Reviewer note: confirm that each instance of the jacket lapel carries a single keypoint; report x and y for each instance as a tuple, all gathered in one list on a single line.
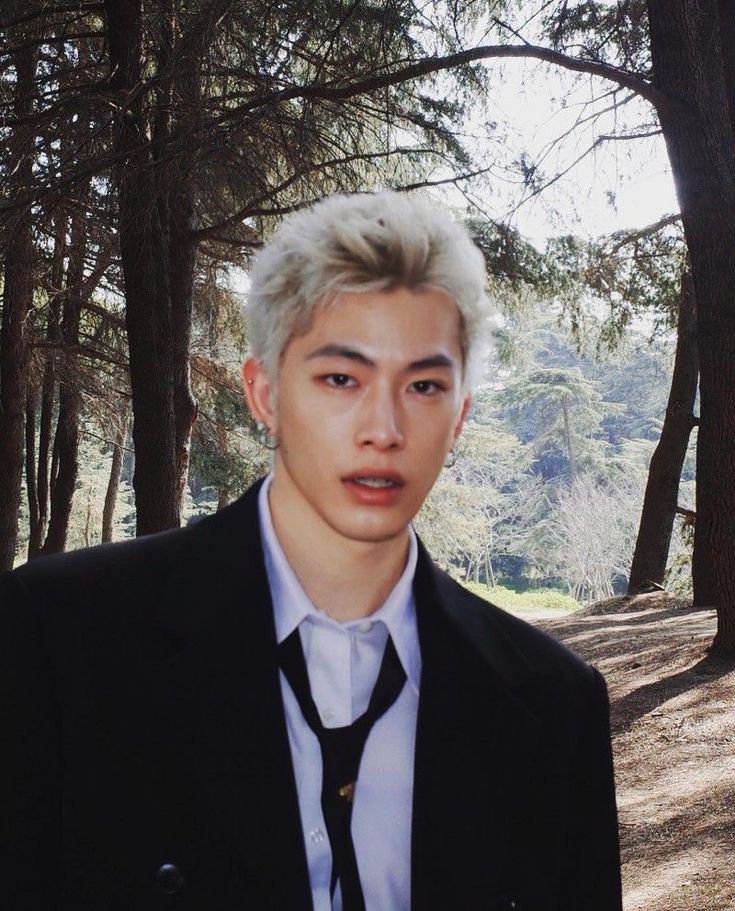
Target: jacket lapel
[(475, 743), (219, 689)]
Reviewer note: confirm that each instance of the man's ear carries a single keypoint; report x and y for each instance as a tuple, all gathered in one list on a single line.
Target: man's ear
[(462, 418), (258, 394)]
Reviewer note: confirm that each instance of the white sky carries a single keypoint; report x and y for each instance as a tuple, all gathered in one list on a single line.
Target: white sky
[(539, 102), (536, 103)]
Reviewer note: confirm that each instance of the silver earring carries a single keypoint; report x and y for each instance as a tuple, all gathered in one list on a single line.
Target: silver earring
[(266, 439), (450, 459)]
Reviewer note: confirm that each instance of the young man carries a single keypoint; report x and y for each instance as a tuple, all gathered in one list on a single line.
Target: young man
[(288, 706)]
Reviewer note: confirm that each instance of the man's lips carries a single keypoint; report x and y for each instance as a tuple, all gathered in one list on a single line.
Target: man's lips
[(374, 488), (371, 474)]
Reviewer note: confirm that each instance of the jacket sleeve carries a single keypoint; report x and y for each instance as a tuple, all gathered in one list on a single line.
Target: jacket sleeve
[(30, 793), (592, 874)]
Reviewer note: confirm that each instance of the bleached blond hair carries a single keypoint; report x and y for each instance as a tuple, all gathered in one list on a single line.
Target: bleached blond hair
[(364, 242)]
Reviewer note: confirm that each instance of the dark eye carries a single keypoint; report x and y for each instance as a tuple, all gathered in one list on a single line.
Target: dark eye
[(426, 387), (340, 380)]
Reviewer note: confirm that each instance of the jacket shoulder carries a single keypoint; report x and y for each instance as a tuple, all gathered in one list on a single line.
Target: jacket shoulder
[(108, 565), (140, 563), (519, 649)]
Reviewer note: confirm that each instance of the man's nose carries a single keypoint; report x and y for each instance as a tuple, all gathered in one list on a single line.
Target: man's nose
[(380, 423)]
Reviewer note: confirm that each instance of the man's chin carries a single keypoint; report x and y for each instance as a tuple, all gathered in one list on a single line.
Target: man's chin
[(372, 532)]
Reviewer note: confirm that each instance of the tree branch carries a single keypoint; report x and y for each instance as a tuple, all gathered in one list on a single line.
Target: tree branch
[(81, 10), (429, 65), (633, 236), (254, 206), (437, 183)]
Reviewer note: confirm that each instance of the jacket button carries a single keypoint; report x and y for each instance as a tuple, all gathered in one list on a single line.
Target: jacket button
[(169, 879), (506, 904)]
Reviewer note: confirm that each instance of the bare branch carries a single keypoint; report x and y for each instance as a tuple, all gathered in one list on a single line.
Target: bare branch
[(446, 180), (623, 136), (429, 65), (634, 236)]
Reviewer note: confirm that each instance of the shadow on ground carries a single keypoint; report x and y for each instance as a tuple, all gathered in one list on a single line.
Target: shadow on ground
[(674, 742)]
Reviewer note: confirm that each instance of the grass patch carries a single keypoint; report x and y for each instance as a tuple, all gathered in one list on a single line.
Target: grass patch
[(506, 598)]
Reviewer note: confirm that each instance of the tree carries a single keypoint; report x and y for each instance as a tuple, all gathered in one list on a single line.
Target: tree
[(692, 48), (589, 534), (17, 303), (661, 499), (563, 407)]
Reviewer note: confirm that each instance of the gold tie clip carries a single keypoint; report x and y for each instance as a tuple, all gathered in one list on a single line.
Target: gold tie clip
[(347, 791)]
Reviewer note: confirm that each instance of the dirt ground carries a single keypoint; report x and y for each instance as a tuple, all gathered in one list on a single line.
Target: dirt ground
[(673, 722)]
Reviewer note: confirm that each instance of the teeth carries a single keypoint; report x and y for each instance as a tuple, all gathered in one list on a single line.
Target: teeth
[(375, 482)]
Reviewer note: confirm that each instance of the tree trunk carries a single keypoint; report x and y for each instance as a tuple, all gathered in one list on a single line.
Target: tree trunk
[(34, 525), (17, 302), (66, 443), (182, 259), (48, 386), (178, 105), (144, 248), (113, 484), (664, 474), (569, 439), (691, 66)]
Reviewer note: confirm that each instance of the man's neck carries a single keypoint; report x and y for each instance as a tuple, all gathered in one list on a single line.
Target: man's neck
[(346, 579)]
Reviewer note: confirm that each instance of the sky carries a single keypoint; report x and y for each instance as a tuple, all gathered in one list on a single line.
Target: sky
[(622, 184)]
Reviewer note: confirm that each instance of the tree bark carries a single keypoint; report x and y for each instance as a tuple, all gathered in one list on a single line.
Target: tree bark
[(664, 473), (17, 303), (158, 245), (182, 258), (34, 526), (113, 484), (144, 244), (690, 65), (66, 443), (48, 385)]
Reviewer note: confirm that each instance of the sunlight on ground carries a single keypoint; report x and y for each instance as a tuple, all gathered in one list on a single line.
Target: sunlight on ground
[(674, 745)]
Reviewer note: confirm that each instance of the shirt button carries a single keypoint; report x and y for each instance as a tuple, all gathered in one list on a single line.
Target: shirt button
[(328, 715), (316, 835), (365, 626), (169, 879)]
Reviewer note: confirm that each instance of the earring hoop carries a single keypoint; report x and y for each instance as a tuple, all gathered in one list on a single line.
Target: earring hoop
[(267, 440), (451, 459)]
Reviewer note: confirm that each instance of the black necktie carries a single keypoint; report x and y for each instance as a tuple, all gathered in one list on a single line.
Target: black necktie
[(341, 754)]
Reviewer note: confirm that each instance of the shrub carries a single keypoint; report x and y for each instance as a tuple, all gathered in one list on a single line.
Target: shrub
[(510, 600)]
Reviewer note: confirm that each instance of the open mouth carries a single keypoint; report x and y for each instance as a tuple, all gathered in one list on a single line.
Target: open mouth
[(380, 489), (375, 482)]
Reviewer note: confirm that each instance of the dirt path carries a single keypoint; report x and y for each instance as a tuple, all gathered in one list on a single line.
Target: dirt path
[(673, 721)]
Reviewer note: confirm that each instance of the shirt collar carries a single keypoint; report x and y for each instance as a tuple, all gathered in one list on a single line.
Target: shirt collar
[(291, 604)]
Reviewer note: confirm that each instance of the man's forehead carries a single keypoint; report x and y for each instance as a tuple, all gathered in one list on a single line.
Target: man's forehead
[(422, 322)]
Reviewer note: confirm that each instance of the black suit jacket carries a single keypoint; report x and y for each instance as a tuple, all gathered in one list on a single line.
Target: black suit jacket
[(142, 725)]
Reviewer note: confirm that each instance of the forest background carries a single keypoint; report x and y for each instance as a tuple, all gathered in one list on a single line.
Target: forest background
[(151, 146)]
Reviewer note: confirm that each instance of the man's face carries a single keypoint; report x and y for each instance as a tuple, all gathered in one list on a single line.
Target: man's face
[(369, 404)]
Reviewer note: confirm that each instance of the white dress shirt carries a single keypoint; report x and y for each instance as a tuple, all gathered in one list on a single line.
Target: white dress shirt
[(343, 660)]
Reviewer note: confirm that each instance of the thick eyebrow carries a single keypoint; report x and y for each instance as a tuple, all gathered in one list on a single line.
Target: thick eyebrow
[(432, 362), (341, 351)]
